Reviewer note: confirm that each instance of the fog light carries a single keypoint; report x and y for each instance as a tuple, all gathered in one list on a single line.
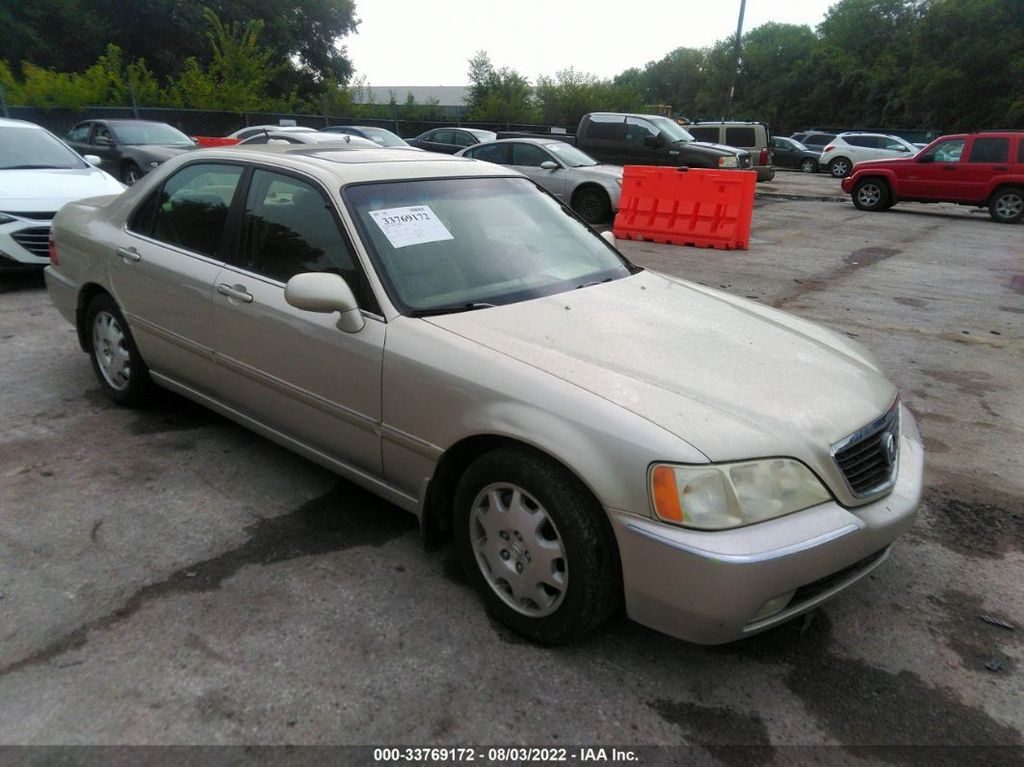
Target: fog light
[(773, 606)]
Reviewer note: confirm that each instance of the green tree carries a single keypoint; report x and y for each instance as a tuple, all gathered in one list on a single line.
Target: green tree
[(498, 95)]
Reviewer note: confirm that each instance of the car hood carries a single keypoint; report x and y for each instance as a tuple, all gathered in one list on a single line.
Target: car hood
[(45, 189), (731, 377), (888, 162), (157, 151), (718, 148)]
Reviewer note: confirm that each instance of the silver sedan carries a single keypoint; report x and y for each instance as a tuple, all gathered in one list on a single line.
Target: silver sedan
[(573, 176), (438, 331)]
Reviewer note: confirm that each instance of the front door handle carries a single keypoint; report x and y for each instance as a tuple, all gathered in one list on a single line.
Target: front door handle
[(129, 254), (237, 292)]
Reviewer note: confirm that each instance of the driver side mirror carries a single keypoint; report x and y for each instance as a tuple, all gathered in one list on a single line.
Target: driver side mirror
[(92, 159), (549, 165), (325, 293)]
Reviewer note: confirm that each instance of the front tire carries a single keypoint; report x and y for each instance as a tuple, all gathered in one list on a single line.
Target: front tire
[(1007, 205), (115, 358), (808, 165), (592, 205), (840, 167), (872, 194), (130, 173), (536, 545)]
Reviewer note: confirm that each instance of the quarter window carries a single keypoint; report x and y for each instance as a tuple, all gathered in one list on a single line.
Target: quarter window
[(191, 208), (288, 229)]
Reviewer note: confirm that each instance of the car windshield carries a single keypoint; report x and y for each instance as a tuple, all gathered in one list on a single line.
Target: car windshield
[(31, 147), (445, 245), (671, 129), (383, 137), (570, 155), (151, 133)]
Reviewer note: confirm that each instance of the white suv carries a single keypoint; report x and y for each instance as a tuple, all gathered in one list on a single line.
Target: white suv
[(848, 149)]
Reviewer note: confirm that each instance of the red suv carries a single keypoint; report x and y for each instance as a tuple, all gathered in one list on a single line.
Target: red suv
[(983, 169)]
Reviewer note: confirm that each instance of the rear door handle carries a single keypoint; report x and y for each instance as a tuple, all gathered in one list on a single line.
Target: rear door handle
[(1001, 167), (129, 254), (238, 293)]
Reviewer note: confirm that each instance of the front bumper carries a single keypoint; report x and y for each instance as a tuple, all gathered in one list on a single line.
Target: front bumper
[(714, 587), (847, 184), (24, 242)]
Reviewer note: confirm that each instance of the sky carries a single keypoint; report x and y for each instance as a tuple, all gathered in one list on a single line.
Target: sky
[(412, 42)]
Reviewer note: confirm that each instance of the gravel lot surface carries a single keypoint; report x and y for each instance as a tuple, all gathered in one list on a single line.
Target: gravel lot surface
[(167, 577)]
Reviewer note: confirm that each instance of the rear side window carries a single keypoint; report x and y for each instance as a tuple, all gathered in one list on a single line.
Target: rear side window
[(441, 137), (990, 150), (496, 153), (191, 208), (605, 127), (742, 137), (703, 134), (869, 142)]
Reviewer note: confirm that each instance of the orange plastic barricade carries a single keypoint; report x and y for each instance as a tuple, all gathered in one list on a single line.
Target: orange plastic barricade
[(214, 141), (686, 206)]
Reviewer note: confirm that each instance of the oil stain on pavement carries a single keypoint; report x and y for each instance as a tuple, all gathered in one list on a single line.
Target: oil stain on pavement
[(345, 517)]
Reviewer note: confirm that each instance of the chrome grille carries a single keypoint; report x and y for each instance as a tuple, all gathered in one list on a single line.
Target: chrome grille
[(35, 240), (869, 458)]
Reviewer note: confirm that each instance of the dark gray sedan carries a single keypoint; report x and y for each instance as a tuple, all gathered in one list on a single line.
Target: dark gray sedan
[(129, 149), (790, 153)]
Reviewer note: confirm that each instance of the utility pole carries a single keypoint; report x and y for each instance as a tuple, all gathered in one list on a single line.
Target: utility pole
[(727, 112)]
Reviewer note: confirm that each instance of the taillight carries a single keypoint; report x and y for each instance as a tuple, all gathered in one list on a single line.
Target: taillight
[(54, 259), (829, 148), (764, 157)]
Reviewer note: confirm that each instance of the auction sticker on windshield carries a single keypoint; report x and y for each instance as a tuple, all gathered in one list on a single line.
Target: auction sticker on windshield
[(410, 226)]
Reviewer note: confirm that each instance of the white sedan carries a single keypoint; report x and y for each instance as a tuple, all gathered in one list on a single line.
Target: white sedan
[(39, 173)]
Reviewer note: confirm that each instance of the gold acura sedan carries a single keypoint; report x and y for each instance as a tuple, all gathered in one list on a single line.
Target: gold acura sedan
[(444, 333)]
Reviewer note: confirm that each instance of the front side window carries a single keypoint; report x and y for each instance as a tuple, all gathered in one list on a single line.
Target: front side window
[(191, 208), (990, 150), (571, 156), (453, 244), (948, 151), (638, 131), (102, 135), (288, 228), (529, 155)]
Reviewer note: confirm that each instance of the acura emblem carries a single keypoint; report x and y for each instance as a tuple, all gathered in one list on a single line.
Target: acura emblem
[(889, 442)]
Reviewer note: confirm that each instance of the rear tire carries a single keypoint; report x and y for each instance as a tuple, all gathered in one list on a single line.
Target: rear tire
[(536, 545), (116, 361), (872, 194), (1007, 205), (840, 167)]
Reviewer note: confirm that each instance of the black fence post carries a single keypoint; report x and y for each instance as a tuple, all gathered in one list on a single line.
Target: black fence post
[(3, 103), (135, 106)]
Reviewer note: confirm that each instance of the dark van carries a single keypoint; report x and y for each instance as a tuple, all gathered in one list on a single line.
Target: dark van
[(636, 139)]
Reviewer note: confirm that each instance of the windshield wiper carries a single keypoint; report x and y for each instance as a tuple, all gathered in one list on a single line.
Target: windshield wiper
[(452, 309), (595, 282)]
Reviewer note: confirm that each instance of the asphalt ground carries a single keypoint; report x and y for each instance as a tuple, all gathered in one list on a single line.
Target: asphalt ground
[(167, 577)]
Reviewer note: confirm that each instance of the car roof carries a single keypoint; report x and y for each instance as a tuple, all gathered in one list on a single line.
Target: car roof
[(524, 140), (9, 123), (350, 165)]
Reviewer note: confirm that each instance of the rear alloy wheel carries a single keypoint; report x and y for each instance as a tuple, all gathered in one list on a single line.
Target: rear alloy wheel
[(592, 205), (808, 165), (536, 545), (1007, 205), (115, 359), (871, 194), (840, 167)]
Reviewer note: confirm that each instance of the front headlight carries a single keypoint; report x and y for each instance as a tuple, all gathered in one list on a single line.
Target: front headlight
[(721, 496), (5, 219), (728, 162)]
